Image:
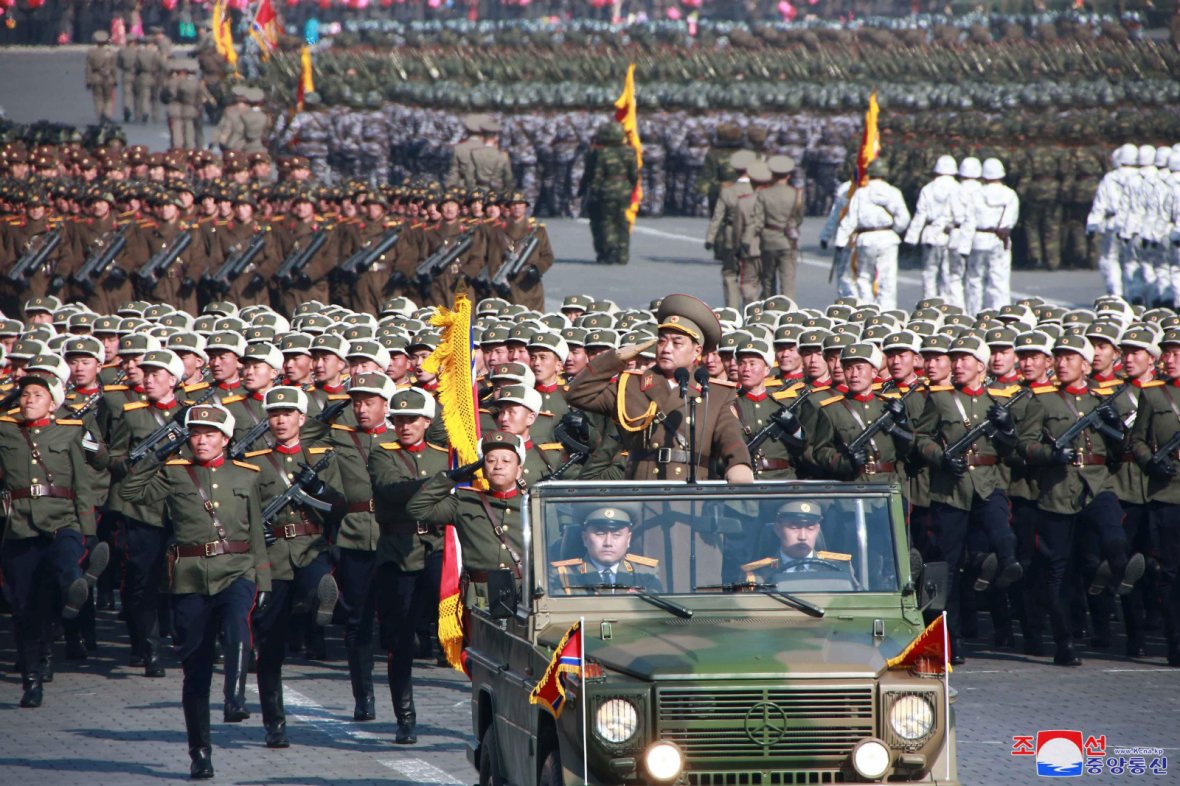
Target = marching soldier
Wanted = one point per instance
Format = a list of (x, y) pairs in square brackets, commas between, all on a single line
[(870, 229), (298, 232), (720, 237), (102, 76), (778, 214), (250, 287), (445, 235), (781, 457), (506, 239)]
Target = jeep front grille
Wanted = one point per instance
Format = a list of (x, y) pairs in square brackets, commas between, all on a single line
[(813, 725), (776, 778)]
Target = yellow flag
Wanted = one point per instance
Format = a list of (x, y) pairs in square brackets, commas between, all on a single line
[(223, 37), (306, 77), (626, 114)]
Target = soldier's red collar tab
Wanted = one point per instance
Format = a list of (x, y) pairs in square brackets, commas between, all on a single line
[(503, 494), (212, 463), (237, 383), (969, 391), (1078, 389), (754, 396), (421, 446), (38, 423), (381, 429), (171, 403), (289, 450)]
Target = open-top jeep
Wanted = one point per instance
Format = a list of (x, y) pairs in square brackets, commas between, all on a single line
[(731, 663)]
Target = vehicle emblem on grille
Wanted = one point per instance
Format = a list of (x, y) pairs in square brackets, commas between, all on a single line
[(766, 723)]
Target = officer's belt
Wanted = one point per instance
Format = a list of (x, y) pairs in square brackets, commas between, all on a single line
[(878, 467), (41, 490), (289, 531), (360, 507), (764, 464), (662, 456), (212, 549), (976, 460)]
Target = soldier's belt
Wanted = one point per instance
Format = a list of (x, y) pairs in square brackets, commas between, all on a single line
[(408, 528), (1088, 460), (975, 460), (662, 456), (289, 531), (360, 507), (764, 464), (878, 467), (212, 549), (41, 490)]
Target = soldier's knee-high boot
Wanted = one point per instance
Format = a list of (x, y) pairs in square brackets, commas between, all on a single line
[(237, 663), (152, 666), (200, 748), (30, 658), (270, 698), (401, 689), (360, 671)]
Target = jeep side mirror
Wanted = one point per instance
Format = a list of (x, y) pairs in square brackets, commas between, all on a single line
[(502, 597), (933, 585)]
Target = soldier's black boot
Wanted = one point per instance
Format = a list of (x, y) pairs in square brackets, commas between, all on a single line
[(402, 689), (126, 115), (33, 692), (200, 749), (236, 663), (152, 667), (360, 672), (274, 716)]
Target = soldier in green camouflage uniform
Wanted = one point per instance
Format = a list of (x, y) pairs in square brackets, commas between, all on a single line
[(1040, 194), (611, 174)]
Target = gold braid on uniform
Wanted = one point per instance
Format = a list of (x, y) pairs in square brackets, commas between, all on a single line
[(625, 422)]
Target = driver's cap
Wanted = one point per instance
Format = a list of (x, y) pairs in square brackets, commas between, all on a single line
[(799, 510)]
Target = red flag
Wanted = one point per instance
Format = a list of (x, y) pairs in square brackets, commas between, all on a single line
[(567, 660), (265, 28), (930, 653)]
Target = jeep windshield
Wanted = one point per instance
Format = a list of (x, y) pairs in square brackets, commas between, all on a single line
[(783, 539)]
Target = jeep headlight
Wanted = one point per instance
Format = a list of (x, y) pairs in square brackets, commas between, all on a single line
[(616, 720), (663, 761), (911, 717)]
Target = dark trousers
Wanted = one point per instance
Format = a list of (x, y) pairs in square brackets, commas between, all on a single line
[(38, 571), (1101, 537), (1167, 530), (354, 575), (986, 525), (82, 628), (402, 598), (1137, 525), (197, 620), (144, 564)]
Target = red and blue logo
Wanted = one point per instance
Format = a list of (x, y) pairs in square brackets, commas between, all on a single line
[(1059, 754)]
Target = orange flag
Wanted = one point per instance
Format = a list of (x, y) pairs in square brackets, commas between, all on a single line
[(625, 113)]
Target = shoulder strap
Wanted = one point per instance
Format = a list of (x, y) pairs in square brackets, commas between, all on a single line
[(206, 502), (498, 529)]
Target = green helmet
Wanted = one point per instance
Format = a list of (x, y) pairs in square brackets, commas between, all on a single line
[(878, 168)]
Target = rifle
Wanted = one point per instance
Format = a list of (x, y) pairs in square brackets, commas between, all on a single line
[(97, 263), (578, 446), (174, 430), (1165, 451), (885, 422), (515, 262), (776, 429), (294, 264), (32, 260), (984, 429), (237, 262), (242, 446), (89, 406), (364, 257), (150, 274), (1092, 419), (297, 493), (434, 264), (328, 413)]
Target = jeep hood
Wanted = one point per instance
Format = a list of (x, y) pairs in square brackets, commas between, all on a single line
[(748, 648)]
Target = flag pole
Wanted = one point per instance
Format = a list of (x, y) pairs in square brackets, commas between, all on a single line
[(584, 701), (946, 680)]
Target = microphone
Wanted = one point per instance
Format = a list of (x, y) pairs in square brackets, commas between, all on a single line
[(681, 376), (701, 375)]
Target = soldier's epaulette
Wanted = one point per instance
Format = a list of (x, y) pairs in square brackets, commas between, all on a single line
[(758, 564), (1045, 389), (390, 445), (568, 563), (68, 422), (244, 465), (1155, 383), (1111, 383), (831, 400), (6, 419), (419, 225), (773, 382), (130, 405), (941, 388), (889, 394), (439, 448), (263, 452), (1007, 392), (725, 383), (318, 451), (549, 446), (648, 381), (836, 555), (232, 400), (1101, 392), (114, 388), (651, 562), (338, 427), (820, 388), (195, 387), (783, 395), (337, 396), (178, 462), (877, 386), (146, 223)]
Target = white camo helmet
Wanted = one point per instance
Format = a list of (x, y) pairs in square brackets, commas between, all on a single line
[(993, 169), (969, 167), (945, 165)]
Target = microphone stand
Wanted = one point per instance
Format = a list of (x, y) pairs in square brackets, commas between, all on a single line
[(690, 399)]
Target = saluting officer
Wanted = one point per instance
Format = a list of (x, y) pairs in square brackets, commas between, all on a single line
[(46, 497), (218, 568), (301, 575), (409, 551)]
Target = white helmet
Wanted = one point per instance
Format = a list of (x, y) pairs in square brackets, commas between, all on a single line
[(1127, 155), (1174, 161), (1146, 155), (969, 167), (945, 165), (1162, 154), (993, 169)]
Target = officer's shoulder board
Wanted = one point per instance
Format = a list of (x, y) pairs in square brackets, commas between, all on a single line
[(725, 383), (130, 405), (178, 462), (1007, 392), (7, 419), (244, 465), (195, 387), (639, 559), (390, 445), (1040, 391), (834, 555), (831, 400), (232, 400), (319, 451), (338, 427), (1101, 392), (783, 395), (255, 453), (439, 448), (114, 388), (941, 388), (1155, 383), (758, 564), (337, 396), (68, 422), (1111, 383), (567, 563), (773, 382), (549, 446)]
